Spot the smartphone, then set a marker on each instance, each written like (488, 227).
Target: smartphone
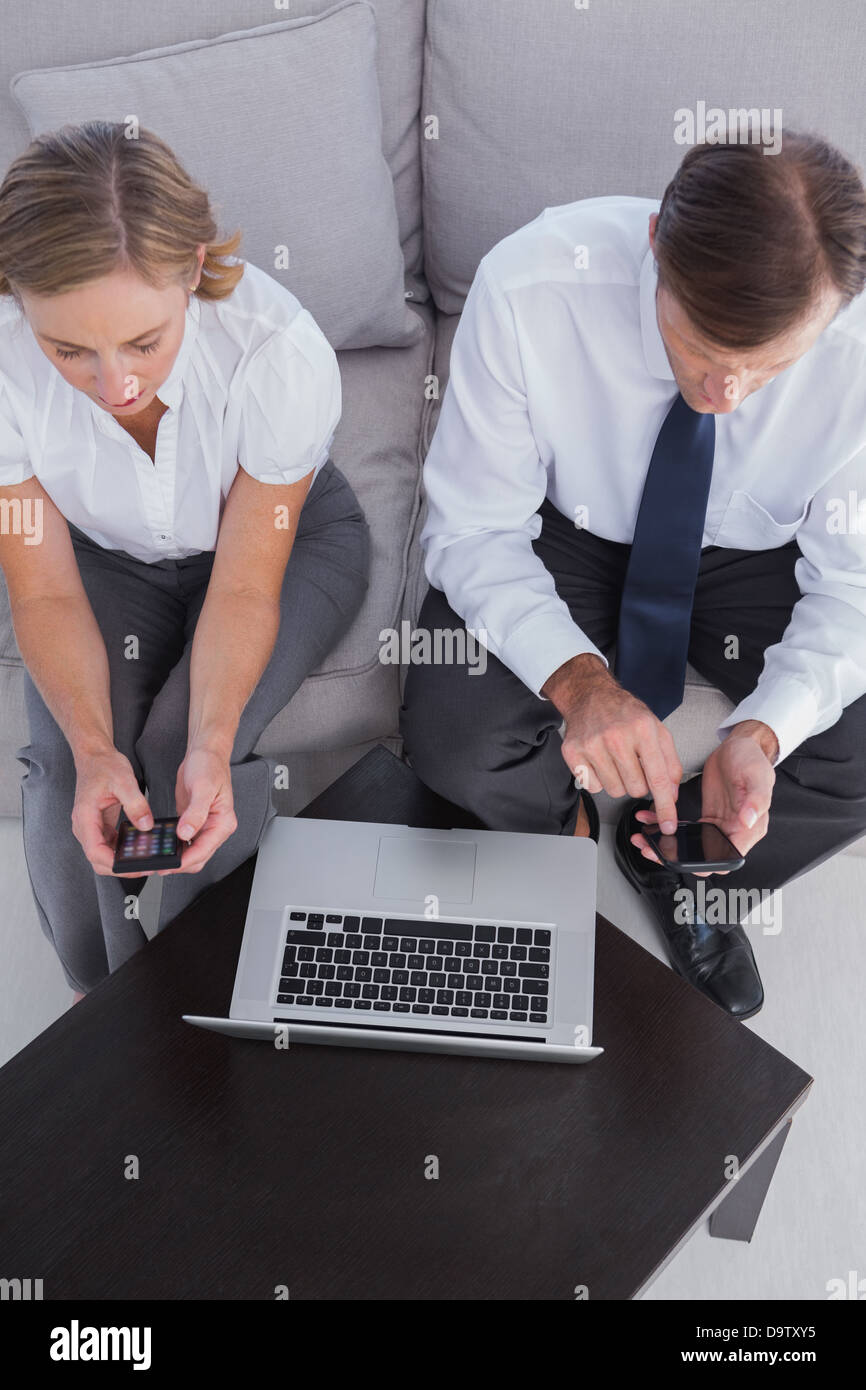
(697, 847)
(138, 851)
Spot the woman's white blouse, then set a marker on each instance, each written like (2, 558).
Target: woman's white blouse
(255, 384)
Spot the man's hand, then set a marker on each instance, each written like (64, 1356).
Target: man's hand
(205, 807)
(737, 787)
(613, 741)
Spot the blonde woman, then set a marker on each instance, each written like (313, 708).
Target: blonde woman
(180, 550)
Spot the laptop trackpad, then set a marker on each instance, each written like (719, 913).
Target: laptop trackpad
(413, 867)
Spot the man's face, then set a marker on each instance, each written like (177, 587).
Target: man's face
(713, 379)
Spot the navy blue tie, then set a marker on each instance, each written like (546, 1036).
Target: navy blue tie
(659, 592)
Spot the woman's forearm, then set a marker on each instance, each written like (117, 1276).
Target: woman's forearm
(62, 647)
(234, 638)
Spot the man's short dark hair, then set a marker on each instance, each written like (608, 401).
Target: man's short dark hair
(747, 241)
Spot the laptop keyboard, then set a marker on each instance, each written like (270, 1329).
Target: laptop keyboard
(413, 966)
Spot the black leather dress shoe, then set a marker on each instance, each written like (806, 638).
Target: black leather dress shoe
(719, 962)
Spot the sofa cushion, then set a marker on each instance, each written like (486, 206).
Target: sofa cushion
(282, 125)
(534, 105)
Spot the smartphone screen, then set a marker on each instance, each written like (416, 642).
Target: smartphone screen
(156, 848)
(696, 845)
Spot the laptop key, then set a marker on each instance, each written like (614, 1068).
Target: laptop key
(455, 982)
(505, 934)
(325, 954)
(508, 967)
(297, 916)
(335, 938)
(463, 997)
(402, 1008)
(426, 946)
(315, 987)
(351, 923)
(351, 990)
(501, 1001)
(539, 953)
(379, 958)
(458, 1012)
(334, 917)
(400, 977)
(439, 931)
(520, 1001)
(381, 977)
(354, 940)
(536, 986)
(463, 948)
(398, 960)
(511, 986)
(370, 992)
(342, 957)
(316, 919)
(446, 948)
(324, 1003)
(420, 1009)
(381, 1005)
(434, 962)
(345, 972)
(477, 1013)
(436, 980)
(408, 943)
(542, 938)
(518, 1016)
(481, 950)
(303, 999)
(530, 971)
(408, 995)
(361, 1004)
(426, 996)
(416, 962)
(285, 999)
(518, 952)
(445, 996)
(523, 936)
(306, 953)
(498, 1013)
(489, 967)
(364, 974)
(372, 925)
(483, 1001)
(327, 972)
(439, 1009)
(418, 977)
(390, 943)
(389, 992)
(499, 952)
(360, 957)
(334, 989)
(485, 933)
(307, 970)
(538, 1018)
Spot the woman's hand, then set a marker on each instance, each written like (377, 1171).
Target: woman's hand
(205, 805)
(105, 782)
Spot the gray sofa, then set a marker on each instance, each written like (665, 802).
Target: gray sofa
(489, 112)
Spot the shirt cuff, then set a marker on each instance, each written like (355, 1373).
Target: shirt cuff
(541, 645)
(789, 708)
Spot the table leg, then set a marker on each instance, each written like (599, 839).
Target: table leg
(736, 1217)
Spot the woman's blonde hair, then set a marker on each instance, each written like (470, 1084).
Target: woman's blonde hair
(86, 200)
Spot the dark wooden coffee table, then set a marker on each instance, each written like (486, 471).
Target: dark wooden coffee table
(309, 1168)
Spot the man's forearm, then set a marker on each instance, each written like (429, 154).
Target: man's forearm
(233, 642)
(761, 733)
(572, 681)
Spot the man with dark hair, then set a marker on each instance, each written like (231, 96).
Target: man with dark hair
(654, 414)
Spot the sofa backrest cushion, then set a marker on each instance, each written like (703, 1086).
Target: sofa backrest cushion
(536, 103)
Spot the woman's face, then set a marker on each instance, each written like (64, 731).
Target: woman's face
(115, 339)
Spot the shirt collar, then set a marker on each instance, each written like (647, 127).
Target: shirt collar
(171, 390)
(653, 345)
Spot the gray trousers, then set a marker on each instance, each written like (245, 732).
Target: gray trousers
(85, 915)
(489, 744)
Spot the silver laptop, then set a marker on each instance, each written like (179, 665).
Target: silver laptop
(463, 941)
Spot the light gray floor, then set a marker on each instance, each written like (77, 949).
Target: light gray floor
(813, 1225)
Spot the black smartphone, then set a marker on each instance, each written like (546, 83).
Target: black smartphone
(138, 851)
(698, 847)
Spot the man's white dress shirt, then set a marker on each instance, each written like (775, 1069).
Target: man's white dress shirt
(559, 384)
(255, 384)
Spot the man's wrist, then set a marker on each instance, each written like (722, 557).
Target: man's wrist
(761, 733)
(570, 681)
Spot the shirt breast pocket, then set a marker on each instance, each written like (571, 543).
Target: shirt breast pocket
(747, 525)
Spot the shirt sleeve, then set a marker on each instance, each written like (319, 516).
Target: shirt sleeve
(291, 404)
(819, 666)
(484, 482)
(15, 466)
